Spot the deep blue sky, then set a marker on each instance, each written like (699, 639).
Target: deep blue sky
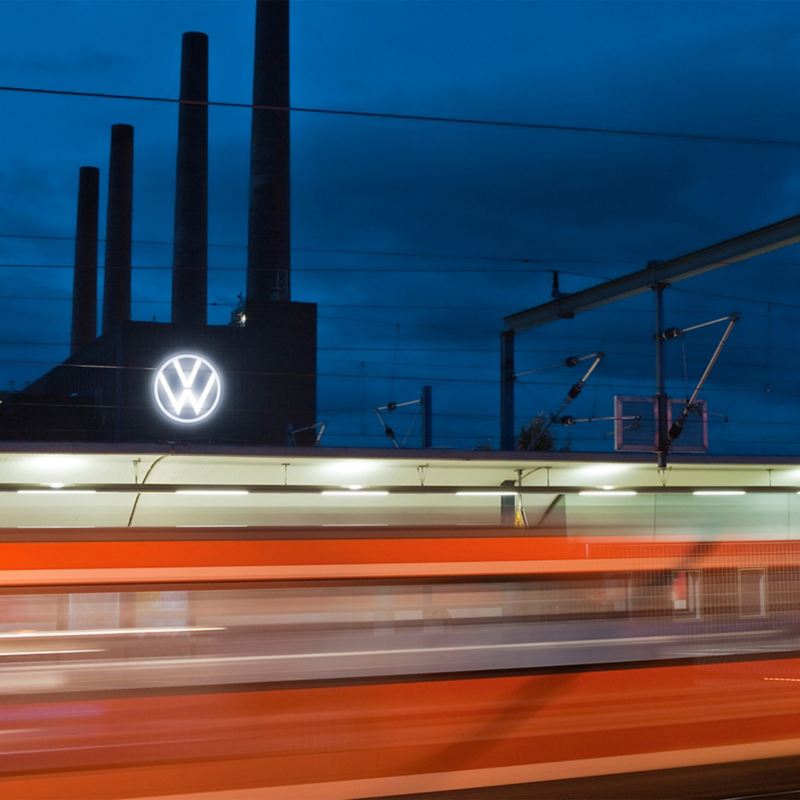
(589, 205)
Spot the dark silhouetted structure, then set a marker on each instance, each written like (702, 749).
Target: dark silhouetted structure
(189, 292)
(119, 223)
(84, 281)
(269, 233)
(267, 359)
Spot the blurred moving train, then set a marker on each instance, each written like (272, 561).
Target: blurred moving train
(304, 664)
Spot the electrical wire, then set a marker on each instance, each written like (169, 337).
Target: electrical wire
(358, 252)
(436, 378)
(609, 260)
(335, 270)
(424, 118)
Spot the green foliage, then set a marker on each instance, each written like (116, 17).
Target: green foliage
(536, 436)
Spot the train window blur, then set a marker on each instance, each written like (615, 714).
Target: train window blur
(686, 593)
(29, 612)
(161, 609)
(752, 592)
(93, 610)
(339, 629)
(750, 517)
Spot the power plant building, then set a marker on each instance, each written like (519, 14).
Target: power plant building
(251, 382)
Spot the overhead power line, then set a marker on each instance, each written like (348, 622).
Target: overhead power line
(378, 306)
(361, 252)
(436, 378)
(333, 270)
(427, 118)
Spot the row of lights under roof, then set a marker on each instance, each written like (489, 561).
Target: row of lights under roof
(383, 492)
(615, 493)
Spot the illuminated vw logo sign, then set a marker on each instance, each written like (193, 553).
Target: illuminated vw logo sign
(187, 388)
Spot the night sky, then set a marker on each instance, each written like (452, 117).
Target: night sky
(416, 238)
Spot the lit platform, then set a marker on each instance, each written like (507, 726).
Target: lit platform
(113, 486)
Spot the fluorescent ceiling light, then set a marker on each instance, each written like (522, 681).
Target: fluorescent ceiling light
(718, 492)
(353, 493)
(608, 493)
(493, 493)
(213, 492)
(56, 491)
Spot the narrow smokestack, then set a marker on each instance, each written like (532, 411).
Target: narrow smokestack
(189, 258)
(268, 244)
(117, 286)
(84, 280)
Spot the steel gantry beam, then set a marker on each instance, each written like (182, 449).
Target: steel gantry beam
(656, 273)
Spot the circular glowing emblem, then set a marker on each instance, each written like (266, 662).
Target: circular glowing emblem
(187, 388)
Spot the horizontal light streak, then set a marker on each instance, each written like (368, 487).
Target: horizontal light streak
(16, 653)
(498, 493)
(719, 493)
(56, 491)
(455, 648)
(404, 490)
(103, 632)
(213, 492)
(607, 493)
(354, 493)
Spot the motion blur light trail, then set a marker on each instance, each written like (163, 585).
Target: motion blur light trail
(387, 665)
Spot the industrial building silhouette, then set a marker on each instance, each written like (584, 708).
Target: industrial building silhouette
(266, 356)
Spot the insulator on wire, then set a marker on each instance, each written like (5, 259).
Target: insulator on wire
(567, 420)
(574, 391)
(572, 361)
(671, 333)
(388, 431)
(391, 405)
(676, 429)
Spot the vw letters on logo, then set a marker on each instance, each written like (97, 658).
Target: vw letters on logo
(187, 388)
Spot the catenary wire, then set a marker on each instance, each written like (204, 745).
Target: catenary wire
(333, 270)
(352, 251)
(423, 118)
(432, 379)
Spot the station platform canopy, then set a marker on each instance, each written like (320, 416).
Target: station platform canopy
(92, 486)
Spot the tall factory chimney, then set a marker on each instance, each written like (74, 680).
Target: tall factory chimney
(189, 257)
(117, 286)
(84, 280)
(268, 242)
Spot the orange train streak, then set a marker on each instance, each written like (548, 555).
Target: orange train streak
(408, 733)
(232, 559)
(413, 735)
